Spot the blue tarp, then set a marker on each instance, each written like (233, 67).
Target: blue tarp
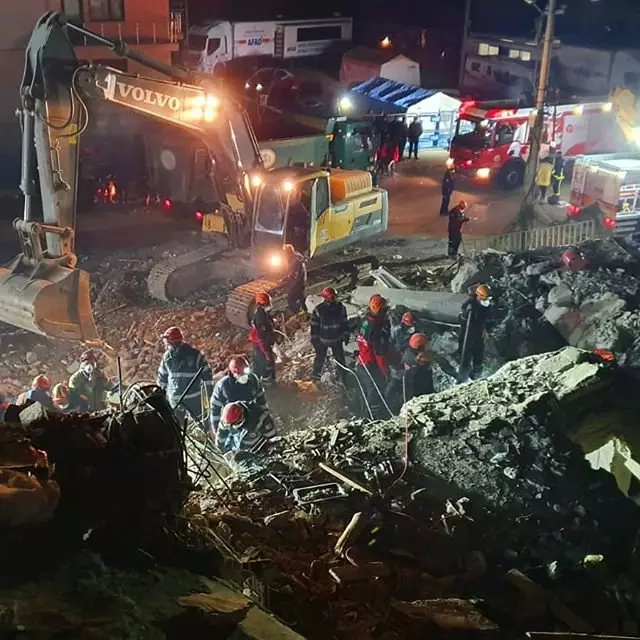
(389, 96)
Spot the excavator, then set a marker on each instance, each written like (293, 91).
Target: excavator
(43, 291)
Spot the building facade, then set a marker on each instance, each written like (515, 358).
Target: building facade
(503, 67)
(148, 25)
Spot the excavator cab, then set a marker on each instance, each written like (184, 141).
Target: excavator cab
(285, 212)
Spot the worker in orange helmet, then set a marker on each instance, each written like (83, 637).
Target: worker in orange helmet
(457, 219)
(243, 427)
(476, 312)
(263, 337)
(39, 391)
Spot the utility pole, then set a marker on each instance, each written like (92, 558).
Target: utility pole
(465, 37)
(526, 210)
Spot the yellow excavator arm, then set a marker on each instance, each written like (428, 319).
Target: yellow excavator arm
(41, 290)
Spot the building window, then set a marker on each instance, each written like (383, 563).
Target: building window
(72, 9)
(106, 10)
(518, 54)
(485, 49)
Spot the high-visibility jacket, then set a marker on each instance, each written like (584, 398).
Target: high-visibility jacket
(543, 177)
(228, 390)
(177, 368)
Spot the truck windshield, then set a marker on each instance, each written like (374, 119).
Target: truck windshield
(271, 210)
(474, 134)
(197, 42)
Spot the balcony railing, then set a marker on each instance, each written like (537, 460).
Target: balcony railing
(152, 32)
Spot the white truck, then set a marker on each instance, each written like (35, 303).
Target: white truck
(607, 187)
(213, 45)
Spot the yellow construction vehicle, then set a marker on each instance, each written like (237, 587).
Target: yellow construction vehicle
(42, 290)
(319, 212)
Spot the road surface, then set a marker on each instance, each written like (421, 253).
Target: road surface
(414, 201)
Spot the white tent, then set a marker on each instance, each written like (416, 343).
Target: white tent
(362, 63)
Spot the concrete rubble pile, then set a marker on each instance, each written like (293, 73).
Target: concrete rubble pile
(497, 520)
(594, 307)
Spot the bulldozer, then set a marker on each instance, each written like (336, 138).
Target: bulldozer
(43, 291)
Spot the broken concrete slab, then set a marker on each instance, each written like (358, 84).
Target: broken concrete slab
(560, 295)
(438, 306)
(467, 275)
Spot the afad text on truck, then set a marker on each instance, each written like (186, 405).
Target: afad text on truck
(491, 140)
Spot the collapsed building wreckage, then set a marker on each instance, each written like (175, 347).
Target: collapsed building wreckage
(474, 509)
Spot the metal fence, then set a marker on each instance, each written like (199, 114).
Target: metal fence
(561, 235)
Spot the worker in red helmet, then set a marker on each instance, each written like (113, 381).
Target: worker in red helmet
(243, 427)
(400, 335)
(329, 330)
(90, 383)
(39, 391)
(263, 336)
(295, 279)
(239, 384)
(185, 375)
(457, 219)
(573, 259)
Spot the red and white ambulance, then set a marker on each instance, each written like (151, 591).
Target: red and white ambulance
(491, 143)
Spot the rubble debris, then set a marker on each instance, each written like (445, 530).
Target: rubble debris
(219, 610)
(438, 306)
(492, 483)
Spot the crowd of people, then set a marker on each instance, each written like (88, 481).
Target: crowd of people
(85, 391)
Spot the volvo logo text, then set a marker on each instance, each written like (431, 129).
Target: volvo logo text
(154, 98)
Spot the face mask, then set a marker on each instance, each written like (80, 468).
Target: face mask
(411, 329)
(268, 308)
(87, 369)
(243, 379)
(485, 303)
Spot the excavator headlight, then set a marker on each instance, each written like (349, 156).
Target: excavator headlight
(256, 180)
(212, 102)
(275, 260)
(607, 106)
(287, 186)
(209, 114)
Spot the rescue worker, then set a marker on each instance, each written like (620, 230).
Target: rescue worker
(179, 365)
(329, 330)
(67, 400)
(401, 333)
(263, 337)
(415, 131)
(376, 332)
(238, 385)
(90, 383)
(4, 405)
(39, 391)
(448, 186)
(418, 374)
(543, 177)
(242, 427)
(295, 278)
(557, 177)
(400, 336)
(473, 330)
(457, 219)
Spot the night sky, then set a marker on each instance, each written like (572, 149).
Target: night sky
(604, 23)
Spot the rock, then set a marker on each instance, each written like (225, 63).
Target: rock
(31, 357)
(447, 613)
(465, 277)
(538, 268)
(560, 295)
(218, 609)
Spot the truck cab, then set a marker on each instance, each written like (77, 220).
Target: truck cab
(606, 188)
(210, 46)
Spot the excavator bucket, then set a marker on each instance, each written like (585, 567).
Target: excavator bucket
(54, 302)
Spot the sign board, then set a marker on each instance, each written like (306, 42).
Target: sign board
(254, 39)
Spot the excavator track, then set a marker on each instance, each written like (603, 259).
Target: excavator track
(341, 275)
(179, 276)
